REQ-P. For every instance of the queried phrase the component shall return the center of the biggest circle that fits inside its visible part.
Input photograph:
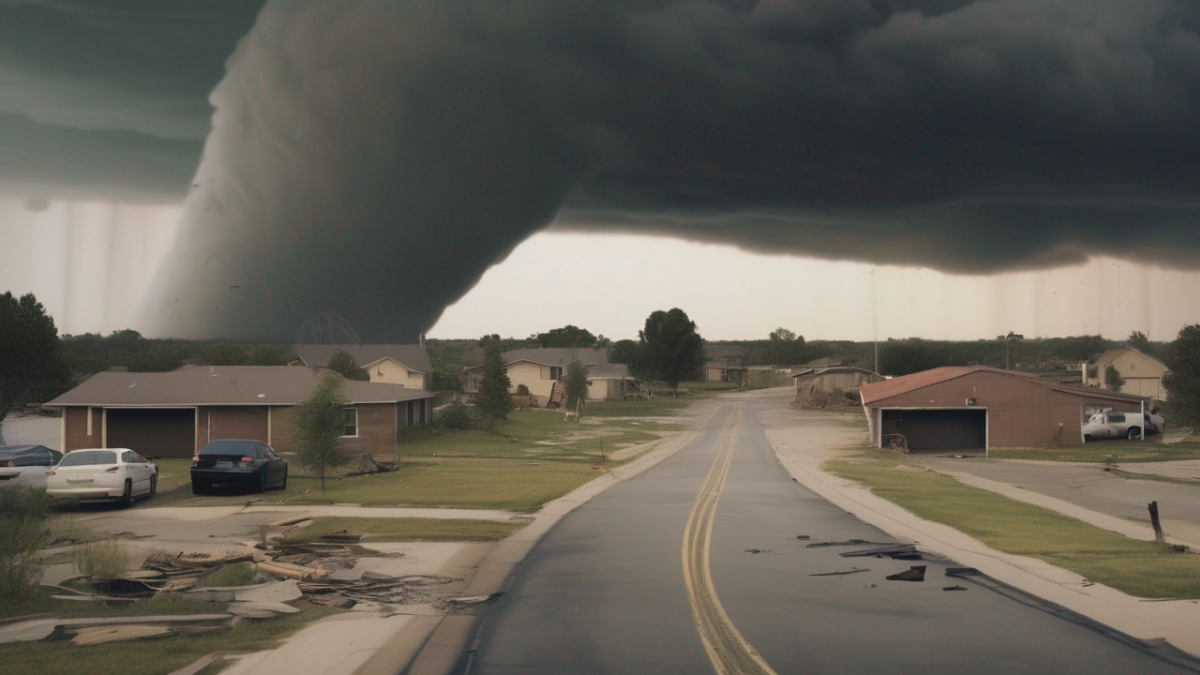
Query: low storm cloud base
(374, 159)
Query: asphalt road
(658, 575)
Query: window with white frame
(351, 419)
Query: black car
(238, 463)
(26, 465)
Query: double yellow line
(728, 650)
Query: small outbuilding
(976, 408)
(174, 414)
(816, 382)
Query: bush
(456, 416)
(102, 559)
(23, 531)
(522, 390)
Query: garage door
(153, 432)
(939, 429)
(247, 422)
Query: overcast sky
(378, 158)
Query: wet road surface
(659, 575)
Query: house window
(555, 373)
(351, 415)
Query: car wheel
(153, 486)
(1087, 438)
(262, 482)
(1134, 433)
(127, 498)
(284, 486)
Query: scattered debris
(290, 521)
(852, 542)
(367, 465)
(955, 588)
(914, 573)
(854, 570)
(961, 572)
(475, 599)
(802, 536)
(896, 552)
(336, 601)
(27, 631)
(98, 635)
(1180, 548)
(871, 586)
(756, 551)
(278, 591)
(284, 569)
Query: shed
(977, 408)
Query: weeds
(23, 531)
(101, 559)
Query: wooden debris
(290, 521)
(289, 570)
(135, 620)
(98, 635)
(27, 631)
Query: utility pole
(1005, 338)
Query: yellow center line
(728, 650)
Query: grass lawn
(157, 656)
(662, 405)
(1139, 568)
(1112, 452)
(43, 603)
(449, 482)
(410, 529)
(240, 574)
(173, 472)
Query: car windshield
(89, 458)
(242, 448)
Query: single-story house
(1142, 373)
(817, 381)
(174, 414)
(726, 363)
(405, 365)
(541, 370)
(976, 408)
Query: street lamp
(1005, 338)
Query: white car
(26, 465)
(118, 474)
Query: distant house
(726, 363)
(820, 381)
(405, 365)
(541, 370)
(976, 408)
(175, 414)
(1142, 373)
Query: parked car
(112, 474)
(26, 465)
(1110, 424)
(238, 463)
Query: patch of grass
(410, 529)
(447, 482)
(1139, 568)
(101, 559)
(158, 656)
(1109, 452)
(173, 472)
(855, 422)
(158, 605)
(239, 574)
(662, 405)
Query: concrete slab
(418, 558)
(27, 631)
(283, 591)
(335, 646)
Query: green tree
(785, 348)
(1182, 382)
(341, 362)
(1113, 379)
(575, 383)
(1080, 348)
(673, 347)
(160, 358)
(124, 340)
(222, 354)
(29, 352)
(494, 401)
(903, 357)
(632, 354)
(269, 355)
(782, 334)
(568, 336)
(602, 343)
(320, 422)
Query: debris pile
(829, 399)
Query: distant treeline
(91, 353)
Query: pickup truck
(1110, 424)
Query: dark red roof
(878, 391)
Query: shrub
(101, 559)
(22, 532)
(456, 416)
(522, 390)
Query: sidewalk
(804, 440)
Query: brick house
(976, 407)
(175, 414)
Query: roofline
(185, 406)
(399, 363)
(1128, 398)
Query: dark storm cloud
(375, 158)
